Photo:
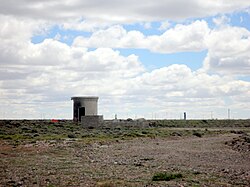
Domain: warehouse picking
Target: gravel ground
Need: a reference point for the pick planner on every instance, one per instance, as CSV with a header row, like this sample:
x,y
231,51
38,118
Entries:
x,y
206,161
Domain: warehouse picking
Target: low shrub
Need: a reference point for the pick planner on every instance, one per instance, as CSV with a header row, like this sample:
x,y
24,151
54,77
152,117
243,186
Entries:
x,y
72,136
198,134
166,176
246,138
237,132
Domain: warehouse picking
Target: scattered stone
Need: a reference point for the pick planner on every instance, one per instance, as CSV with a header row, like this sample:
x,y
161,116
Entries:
x,y
72,136
241,144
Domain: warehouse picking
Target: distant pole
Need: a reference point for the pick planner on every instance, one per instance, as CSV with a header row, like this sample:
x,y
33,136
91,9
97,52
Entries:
x,y
185,116
228,113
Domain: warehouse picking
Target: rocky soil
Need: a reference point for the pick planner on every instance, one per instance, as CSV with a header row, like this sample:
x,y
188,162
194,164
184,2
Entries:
x,y
202,161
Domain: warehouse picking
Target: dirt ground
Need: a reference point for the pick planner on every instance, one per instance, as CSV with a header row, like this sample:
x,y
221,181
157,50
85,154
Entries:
x,y
214,160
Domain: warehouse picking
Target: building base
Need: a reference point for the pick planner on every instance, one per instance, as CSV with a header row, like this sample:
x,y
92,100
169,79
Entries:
x,y
92,121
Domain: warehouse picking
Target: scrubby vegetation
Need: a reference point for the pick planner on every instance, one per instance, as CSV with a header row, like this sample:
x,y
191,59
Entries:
x,y
163,176
48,130
200,123
64,153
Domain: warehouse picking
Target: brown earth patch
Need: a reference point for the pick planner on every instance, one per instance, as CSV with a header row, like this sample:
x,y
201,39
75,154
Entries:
x,y
202,161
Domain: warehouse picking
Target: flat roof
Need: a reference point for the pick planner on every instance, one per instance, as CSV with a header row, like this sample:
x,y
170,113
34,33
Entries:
x,y
84,97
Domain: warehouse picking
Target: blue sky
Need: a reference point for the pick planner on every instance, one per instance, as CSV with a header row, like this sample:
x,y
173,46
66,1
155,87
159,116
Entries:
x,y
159,59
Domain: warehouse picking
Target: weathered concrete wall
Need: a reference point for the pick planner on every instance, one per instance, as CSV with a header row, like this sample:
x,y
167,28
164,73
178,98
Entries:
x,y
90,105
92,121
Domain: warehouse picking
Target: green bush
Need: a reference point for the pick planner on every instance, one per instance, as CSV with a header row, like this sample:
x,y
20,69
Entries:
x,y
198,134
166,176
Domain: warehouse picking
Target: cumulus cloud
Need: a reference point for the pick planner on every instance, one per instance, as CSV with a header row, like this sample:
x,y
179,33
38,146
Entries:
x,y
180,38
227,46
48,85
181,82
15,34
37,76
177,87
45,75
228,51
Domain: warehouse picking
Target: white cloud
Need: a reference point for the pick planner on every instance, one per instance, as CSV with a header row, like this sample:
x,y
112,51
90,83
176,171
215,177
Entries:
x,y
114,37
227,46
45,75
228,51
51,67
164,26
85,25
119,12
37,76
15,29
147,25
180,38
176,89
15,34
221,21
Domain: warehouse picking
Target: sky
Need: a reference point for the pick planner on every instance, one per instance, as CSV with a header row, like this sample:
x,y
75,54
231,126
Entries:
x,y
143,59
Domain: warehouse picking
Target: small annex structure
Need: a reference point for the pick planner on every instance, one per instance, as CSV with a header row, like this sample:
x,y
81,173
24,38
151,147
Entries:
x,y
85,110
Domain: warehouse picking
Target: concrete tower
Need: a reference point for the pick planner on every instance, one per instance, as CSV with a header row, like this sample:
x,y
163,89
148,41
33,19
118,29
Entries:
x,y
84,106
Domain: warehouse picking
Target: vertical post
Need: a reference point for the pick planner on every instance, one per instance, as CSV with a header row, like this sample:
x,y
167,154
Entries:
x,y
228,113
185,116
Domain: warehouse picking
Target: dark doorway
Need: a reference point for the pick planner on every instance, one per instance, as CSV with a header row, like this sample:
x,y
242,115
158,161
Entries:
x,y
81,113
76,107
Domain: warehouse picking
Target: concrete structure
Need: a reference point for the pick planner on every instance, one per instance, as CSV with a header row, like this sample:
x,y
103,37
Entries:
x,y
84,106
92,121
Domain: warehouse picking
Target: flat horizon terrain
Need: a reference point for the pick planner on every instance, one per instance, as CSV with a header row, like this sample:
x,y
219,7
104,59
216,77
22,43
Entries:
x,y
167,153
